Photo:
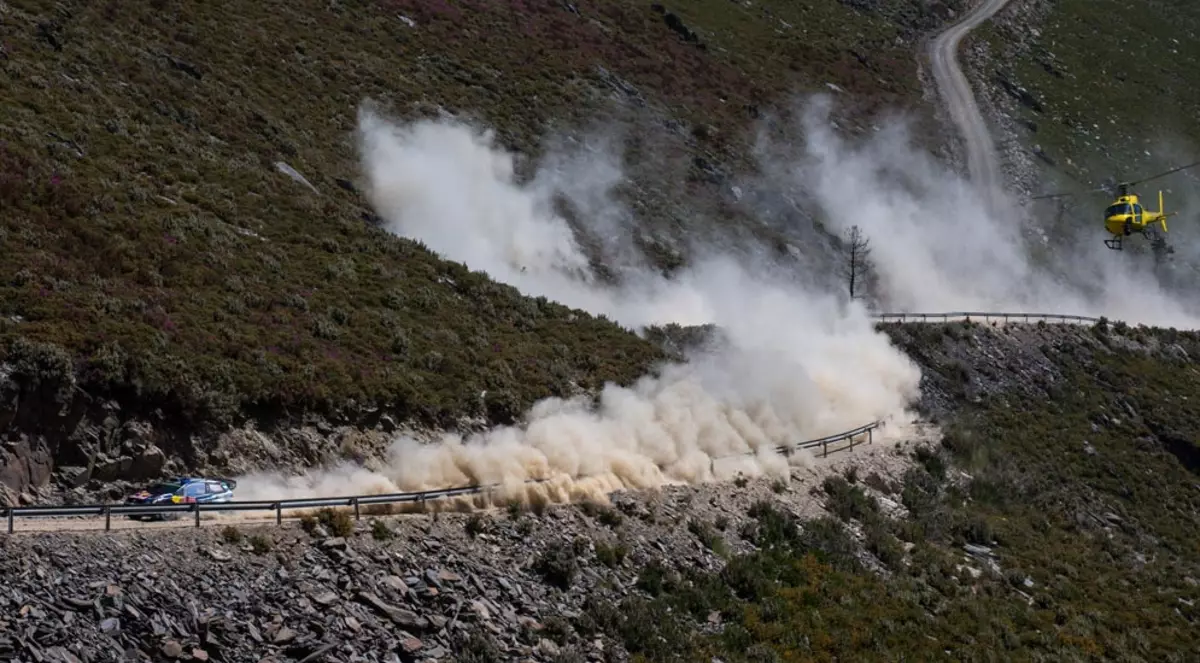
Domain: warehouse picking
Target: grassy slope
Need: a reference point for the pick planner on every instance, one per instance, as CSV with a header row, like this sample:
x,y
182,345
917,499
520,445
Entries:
x,y
149,240
1093,520
1114,80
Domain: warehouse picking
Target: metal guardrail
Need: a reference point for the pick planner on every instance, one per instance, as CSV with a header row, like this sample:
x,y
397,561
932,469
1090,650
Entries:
x,y
353,501
987,316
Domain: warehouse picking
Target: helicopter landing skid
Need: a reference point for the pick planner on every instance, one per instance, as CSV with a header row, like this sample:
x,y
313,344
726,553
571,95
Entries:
x,y
1114,243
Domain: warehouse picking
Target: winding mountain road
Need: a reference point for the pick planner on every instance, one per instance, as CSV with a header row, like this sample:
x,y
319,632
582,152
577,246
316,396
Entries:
x,y
960,101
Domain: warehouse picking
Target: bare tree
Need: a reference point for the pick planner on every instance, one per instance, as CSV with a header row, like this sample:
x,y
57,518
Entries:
x,y
858,264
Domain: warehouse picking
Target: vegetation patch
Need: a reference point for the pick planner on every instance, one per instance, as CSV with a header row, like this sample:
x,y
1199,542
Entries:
x,y
1061,529
1083,64
153,239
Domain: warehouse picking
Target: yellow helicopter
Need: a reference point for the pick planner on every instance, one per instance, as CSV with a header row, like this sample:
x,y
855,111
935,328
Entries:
x,y
1126,215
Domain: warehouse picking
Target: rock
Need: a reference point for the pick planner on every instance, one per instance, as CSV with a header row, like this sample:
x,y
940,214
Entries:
x,y
977,550
336,543
172,649
283,636
219,555
110,626
294,174
24,464
396,584
62,654
399,616
7,496
547,648
147,464
74,476
410,645
432,577
325,598
387,424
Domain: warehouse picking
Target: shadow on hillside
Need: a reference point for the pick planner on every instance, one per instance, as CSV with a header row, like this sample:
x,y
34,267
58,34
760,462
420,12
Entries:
x,y
1180,447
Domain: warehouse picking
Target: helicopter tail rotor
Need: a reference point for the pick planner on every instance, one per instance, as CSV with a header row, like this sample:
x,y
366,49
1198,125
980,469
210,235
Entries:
x,y
1162,210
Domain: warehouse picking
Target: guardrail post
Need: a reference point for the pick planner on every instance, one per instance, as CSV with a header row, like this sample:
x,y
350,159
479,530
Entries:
x,y
278,514
107,518
196,505
354,501
824,448
10,520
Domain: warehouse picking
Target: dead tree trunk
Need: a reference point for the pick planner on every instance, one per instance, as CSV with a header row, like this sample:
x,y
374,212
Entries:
x,y
858,254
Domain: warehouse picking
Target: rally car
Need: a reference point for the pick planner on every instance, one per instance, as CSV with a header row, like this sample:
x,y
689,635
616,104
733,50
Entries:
x,y
182,490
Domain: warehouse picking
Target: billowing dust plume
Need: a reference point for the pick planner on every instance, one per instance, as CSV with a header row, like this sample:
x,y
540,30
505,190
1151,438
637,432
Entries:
x,y
791,364
936,247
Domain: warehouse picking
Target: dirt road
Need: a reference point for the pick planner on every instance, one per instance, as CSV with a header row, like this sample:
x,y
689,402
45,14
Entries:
x,y
841,454
960,101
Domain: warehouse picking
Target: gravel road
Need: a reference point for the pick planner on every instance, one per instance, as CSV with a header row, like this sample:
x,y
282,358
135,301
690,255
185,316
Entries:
x,y
960,101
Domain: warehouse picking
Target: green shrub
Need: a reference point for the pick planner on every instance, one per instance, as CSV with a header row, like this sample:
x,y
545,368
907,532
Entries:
x,y
337,521
260,544
380,531
611,555
557,565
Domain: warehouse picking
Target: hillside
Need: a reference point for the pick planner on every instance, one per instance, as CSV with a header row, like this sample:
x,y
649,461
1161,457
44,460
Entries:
x,y
191,243
165,270
1054,521
334,248
1055,74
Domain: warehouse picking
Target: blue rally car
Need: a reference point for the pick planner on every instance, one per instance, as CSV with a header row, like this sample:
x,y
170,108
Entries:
x,y
182,490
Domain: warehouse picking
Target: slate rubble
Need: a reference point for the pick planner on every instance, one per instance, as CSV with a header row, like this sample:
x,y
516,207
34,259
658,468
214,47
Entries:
x,y
430,591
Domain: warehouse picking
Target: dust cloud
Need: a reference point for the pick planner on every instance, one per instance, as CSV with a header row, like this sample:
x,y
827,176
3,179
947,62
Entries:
x,y
792,362
935,245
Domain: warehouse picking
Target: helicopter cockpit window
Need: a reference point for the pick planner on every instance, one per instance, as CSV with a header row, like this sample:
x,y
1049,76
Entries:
x,y
1122,208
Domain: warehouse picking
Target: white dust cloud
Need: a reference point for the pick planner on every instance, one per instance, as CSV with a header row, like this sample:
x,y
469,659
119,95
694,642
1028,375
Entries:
x,y
936,247
792,364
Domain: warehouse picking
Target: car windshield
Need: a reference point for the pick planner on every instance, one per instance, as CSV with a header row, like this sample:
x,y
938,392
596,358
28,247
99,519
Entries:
x,y
159,489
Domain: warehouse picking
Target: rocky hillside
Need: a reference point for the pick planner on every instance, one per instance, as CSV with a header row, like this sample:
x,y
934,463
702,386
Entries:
x,y
1030,530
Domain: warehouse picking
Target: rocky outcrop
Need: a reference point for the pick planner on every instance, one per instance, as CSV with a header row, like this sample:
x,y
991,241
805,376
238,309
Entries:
x,y
60,442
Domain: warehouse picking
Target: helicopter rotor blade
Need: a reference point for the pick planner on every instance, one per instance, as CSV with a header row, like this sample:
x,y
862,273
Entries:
x,y
1067,194
1164,174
